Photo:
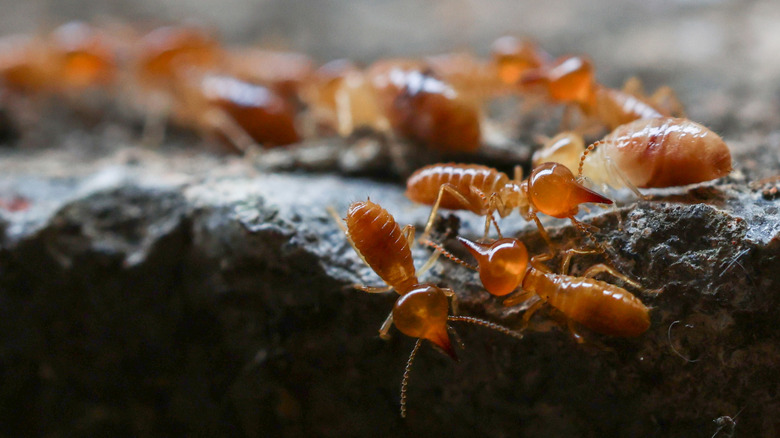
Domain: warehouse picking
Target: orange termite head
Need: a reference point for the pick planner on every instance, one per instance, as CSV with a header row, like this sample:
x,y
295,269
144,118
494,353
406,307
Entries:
x,y
502,264
553,190
570,79
86,55
422,313
514,56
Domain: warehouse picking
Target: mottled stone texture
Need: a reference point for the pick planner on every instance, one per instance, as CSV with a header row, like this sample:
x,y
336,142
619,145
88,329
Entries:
x,y
172,292
180,302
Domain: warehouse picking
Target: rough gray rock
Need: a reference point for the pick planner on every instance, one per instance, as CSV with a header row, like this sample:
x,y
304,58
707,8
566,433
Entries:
x,y
187,302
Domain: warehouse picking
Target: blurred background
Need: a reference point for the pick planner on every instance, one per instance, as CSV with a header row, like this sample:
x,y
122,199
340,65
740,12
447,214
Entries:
x,y
693,45
691,33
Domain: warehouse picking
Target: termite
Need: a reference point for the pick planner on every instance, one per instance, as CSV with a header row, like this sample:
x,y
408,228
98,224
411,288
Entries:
x,y
425,108
466,73
550,189
23,63
503,266
571,80
162,58
568,79
652,153
422,310
246,114
75,56
661,152
400,97
512,57
83,56
613,108
284,72
341,97
164,53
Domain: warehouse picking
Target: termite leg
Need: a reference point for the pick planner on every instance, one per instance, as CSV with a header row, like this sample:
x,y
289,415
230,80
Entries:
x,y
634,87
665,98
569,253
542,231
491,208
494,204
373,289
603,247
219,120
616,211
453,299
536,262
332,212
393,146
613,169
448,188
429,263
343,113
155,122
519,172
518,297
598,269
384,330
408,231
343,227
531,310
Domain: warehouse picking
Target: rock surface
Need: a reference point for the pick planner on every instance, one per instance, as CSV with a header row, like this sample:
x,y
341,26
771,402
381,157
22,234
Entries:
x,y
170,291
189,300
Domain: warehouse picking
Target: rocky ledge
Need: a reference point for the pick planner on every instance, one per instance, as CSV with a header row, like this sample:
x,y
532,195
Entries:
x,y
172,293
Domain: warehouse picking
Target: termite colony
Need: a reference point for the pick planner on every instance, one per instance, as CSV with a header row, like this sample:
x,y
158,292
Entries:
x,y
255,98
650,145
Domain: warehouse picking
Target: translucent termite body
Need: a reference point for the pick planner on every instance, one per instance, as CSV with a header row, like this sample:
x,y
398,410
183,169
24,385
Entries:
x,y
571,80
551,189
503,266
650,153
74,57
422,310
284,72
165,53
660,152
245,114
513,57
423,107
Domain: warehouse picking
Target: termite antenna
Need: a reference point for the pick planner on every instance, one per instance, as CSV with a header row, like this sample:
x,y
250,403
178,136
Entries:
x,y
447,254
491,325
585,153
604,248
405,380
